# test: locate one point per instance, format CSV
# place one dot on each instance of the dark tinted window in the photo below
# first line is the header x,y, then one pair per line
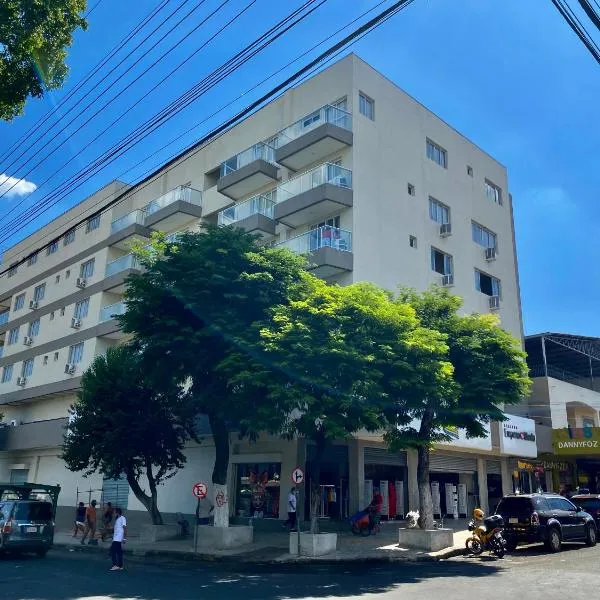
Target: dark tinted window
x,y
588,504
514,505
34,511
540,503
560,504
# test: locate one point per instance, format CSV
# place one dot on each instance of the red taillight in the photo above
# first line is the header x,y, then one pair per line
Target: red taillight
x,y
535,518
7,527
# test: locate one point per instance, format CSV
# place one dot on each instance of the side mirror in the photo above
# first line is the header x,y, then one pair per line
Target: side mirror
x,y
579,509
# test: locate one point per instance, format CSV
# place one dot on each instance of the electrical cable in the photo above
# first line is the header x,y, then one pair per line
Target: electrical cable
x,y
590,12
588,43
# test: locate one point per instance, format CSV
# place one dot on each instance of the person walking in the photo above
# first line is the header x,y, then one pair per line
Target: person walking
x,y
107,519
90,523
119,538
292,504
79,519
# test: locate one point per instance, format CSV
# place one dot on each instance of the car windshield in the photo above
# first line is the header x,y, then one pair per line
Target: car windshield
x,y
34,511
514,505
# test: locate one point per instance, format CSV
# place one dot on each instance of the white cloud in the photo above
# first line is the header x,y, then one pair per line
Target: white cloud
x,y
11,187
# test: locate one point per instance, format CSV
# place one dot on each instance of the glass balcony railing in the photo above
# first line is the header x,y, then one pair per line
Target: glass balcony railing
x,y
257,205
129,261
326,173
4,317
260,150
112,310
1,351
136,216
181,193
320,237
325,114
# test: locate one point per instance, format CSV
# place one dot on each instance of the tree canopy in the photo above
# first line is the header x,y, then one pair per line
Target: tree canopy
x,y
34,37
120,424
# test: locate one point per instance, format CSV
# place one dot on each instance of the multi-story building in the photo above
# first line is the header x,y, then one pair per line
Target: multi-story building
x,y
346,167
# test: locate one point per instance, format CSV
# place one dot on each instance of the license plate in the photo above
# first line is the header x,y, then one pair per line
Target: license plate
x,y
31,530
513,520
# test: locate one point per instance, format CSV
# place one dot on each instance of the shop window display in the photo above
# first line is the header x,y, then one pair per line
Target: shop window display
x,y
258,490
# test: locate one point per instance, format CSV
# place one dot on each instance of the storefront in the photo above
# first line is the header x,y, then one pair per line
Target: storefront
x,y
258,490
518,440
452,473
387,472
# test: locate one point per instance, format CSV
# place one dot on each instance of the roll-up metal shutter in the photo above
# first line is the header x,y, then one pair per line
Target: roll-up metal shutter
x,y
494,467
449,463
116,491
381,456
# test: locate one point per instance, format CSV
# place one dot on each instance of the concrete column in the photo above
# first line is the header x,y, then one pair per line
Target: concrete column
x,y
482,482
413,486
356,475
549,481
507,485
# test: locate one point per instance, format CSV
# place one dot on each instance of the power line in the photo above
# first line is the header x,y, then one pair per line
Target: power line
x,y
193,94
89,12
217,132
590,12
588,42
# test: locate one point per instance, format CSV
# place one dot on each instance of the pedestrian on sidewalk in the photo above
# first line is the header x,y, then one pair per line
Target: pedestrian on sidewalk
x,y
79,519
107,519
292,503
119,538
90,523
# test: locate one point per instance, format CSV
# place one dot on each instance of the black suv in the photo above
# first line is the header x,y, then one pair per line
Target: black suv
x,y
547,518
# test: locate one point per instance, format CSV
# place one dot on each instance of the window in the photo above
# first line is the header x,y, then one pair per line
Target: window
x,y
332,222
482,236
57,279
34,328
81,309
309,120
32,259
493,192
27,368
68,274
46,359
52,248
412,241
441,262
12,271
87,269
438,212
342,104
469,170
75,354
39,292
486,284
366,106
437,154
13,336
69,237
56,356
92,224
20,301
411,189
7,373
62,311
561,504
52,316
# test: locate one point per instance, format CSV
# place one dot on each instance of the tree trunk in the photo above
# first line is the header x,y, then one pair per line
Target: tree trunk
x,y
219,476
315,481
425,501
150,502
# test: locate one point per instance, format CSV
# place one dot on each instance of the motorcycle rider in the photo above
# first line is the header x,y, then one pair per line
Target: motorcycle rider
x,y
374,509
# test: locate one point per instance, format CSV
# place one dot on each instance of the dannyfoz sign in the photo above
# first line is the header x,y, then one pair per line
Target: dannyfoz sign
x,y
576,440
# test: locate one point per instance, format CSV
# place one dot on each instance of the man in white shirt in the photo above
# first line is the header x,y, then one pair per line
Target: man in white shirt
x,y
119,538
292,503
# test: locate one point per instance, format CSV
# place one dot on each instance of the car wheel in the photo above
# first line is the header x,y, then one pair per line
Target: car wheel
x,y
554,542
590,535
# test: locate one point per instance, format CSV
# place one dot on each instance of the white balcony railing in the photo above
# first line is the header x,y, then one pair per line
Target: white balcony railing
x,y
181,193
326,173
257,205
129,261
320,237
111,311
260,150
136,216
325,114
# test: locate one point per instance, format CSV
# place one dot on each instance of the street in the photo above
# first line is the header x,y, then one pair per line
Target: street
x,y
78,576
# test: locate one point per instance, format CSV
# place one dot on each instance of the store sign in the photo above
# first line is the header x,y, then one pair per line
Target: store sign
x,y
458,437
576,440
517,437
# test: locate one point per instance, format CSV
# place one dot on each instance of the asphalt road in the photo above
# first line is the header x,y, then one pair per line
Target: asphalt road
x,y
529,573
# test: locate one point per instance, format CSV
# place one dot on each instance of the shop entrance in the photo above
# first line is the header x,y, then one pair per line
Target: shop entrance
x,y
447,472
388,473
258,490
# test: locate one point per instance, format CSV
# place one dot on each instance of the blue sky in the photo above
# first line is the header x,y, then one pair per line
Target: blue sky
x,y
509,75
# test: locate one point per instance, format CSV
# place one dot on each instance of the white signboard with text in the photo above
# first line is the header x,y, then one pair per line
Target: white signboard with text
x,y
517,437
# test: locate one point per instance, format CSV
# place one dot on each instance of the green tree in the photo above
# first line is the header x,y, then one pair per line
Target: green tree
x,y
193,313
482,370
121,424
333,356
34,37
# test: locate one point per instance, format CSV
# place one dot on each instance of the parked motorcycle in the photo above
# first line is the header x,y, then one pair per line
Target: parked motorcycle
x,y
486,537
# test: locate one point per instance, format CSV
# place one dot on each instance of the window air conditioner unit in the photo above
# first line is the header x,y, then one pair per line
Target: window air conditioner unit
x,y
33,304
81,282
75,323
69,369
494,302
445,230
490,254
447,280
28,340
21,381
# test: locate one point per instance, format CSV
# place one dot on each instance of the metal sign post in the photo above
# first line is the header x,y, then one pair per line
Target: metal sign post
x,y
199,490
196,523
297,480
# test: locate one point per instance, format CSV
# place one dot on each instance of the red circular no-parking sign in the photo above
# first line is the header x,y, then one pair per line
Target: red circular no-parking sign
x,y
200,490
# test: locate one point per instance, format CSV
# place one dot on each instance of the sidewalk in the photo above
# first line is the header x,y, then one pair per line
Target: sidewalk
x,y
273,548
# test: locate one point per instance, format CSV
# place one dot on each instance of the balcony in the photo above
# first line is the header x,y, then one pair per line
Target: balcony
x,y
38,434
312,196
111,311
328,249
127,228
4,317
174,209
254,215
134,217
314,137
129,261
247,171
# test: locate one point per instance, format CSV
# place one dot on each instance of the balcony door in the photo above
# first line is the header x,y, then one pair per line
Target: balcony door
x,y
324,233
